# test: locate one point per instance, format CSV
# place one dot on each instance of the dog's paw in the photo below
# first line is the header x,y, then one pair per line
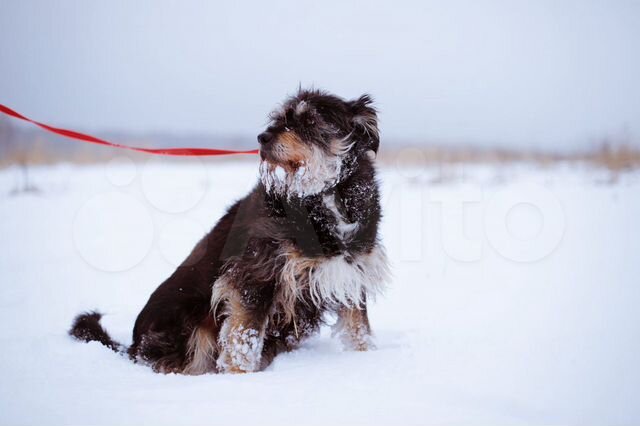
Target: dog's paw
x,y
241,352
231,369
357,343
354,339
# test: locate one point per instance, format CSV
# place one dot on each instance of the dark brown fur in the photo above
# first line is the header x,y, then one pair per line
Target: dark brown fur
x,y
241,263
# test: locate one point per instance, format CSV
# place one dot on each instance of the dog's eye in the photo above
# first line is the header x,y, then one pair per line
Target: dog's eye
x,y
286,129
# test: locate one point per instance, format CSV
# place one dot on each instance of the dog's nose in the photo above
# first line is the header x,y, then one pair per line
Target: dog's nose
x,y
265,137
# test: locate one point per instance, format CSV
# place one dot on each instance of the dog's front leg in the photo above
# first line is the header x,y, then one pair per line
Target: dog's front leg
x,y
242,334
353,328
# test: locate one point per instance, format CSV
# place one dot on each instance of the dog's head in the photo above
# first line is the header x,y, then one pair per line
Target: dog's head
x,y
313,141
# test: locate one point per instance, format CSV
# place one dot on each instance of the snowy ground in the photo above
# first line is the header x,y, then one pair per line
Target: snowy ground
x,y
514,301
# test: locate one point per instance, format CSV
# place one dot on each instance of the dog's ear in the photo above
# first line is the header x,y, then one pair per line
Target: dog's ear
x,y
365,124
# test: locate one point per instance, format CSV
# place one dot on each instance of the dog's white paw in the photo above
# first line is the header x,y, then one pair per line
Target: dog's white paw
x,y
354,338
241,350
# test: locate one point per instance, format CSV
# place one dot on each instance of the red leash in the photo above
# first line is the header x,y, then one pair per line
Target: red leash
x,y
199,152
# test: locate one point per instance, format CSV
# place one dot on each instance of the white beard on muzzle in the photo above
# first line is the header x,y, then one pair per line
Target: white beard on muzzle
x,y
318,173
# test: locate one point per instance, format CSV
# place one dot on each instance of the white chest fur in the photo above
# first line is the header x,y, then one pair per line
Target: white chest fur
x,y
344,279
349,281
335,280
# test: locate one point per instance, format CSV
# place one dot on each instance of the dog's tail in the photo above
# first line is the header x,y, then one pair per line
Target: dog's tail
x,y
86,328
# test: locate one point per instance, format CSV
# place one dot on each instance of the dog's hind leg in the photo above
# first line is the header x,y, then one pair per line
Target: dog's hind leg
x,y
164,350
202,348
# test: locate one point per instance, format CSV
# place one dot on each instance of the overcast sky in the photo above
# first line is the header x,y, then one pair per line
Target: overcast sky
x,y
547,73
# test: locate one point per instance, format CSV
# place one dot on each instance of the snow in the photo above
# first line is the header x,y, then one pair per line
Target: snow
x,y
514,301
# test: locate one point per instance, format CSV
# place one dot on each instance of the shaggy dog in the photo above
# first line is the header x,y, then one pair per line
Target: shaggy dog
x,y
303,243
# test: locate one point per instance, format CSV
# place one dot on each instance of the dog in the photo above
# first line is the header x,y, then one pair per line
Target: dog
x,y
302,244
